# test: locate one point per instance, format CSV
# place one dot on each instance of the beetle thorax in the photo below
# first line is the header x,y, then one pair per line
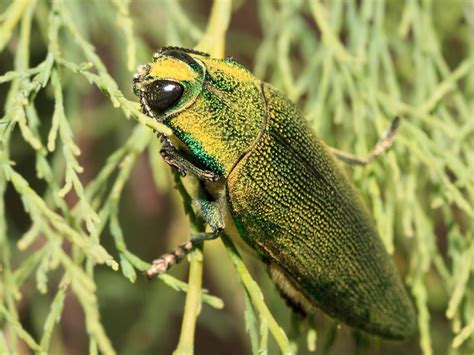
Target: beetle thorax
x,y
226,118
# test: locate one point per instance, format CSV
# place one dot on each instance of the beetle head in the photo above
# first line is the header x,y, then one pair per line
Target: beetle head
x,y
214,107
170,83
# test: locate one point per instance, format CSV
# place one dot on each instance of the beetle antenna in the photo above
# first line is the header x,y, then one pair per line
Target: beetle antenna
x,y
185,50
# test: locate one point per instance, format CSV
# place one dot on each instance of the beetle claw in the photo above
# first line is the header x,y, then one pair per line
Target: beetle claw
x,y
210,176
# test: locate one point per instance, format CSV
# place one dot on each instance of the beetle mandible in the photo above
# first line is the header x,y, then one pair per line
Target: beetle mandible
x,y
272,182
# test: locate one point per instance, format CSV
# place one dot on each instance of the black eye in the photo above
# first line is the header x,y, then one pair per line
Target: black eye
x,y
161,94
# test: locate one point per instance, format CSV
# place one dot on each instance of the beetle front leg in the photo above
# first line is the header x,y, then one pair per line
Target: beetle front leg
x,y
382,145
172,157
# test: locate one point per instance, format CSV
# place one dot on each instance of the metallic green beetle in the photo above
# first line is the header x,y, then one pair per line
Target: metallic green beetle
x,y
268,178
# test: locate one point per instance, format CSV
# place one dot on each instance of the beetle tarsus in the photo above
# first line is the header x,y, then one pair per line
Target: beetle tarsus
x,y
167,261
384,143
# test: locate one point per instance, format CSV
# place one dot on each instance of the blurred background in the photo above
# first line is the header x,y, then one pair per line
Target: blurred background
x,y
66,67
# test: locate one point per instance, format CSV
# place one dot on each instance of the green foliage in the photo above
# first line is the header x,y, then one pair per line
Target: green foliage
x,y
351,67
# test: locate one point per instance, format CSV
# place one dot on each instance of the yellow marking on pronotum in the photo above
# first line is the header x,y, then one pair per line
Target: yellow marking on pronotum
x,y
235,71
172,68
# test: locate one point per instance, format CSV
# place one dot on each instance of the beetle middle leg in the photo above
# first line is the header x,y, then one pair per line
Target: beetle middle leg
x,y
212,213
168,260
382,145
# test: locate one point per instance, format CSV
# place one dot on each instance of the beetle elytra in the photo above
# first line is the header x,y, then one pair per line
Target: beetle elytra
x,y
268,177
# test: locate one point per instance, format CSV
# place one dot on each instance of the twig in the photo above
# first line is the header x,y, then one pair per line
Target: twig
x,y
214,42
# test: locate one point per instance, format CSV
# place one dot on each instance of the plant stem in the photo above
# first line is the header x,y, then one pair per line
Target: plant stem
x,y
214,42
256,296
192,305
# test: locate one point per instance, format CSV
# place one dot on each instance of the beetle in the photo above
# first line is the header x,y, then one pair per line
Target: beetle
x,y
270,181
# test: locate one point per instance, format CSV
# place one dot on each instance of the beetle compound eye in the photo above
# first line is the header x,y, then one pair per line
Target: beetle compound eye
x,y
161,94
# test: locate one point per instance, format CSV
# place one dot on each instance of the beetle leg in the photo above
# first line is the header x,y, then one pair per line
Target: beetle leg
x,y
212,213
168,260
382,145
177,161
